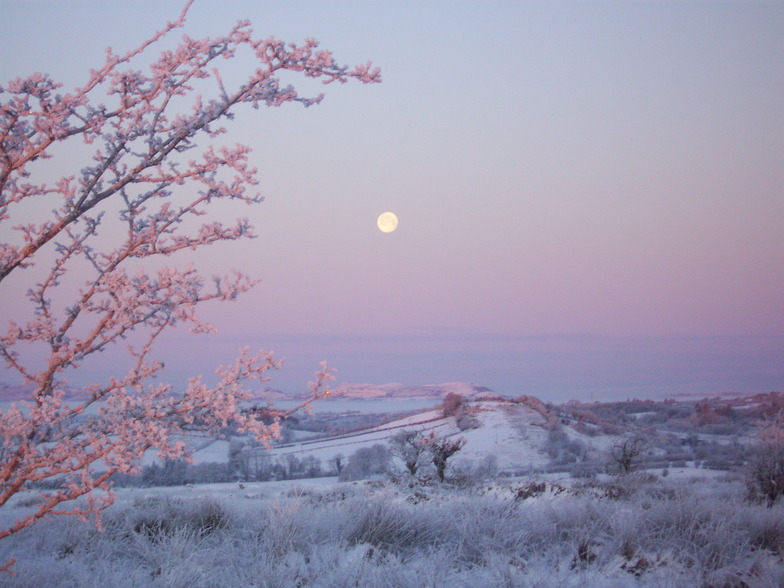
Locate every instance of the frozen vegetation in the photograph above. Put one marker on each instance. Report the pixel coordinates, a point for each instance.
(634, 493)
(634, 531)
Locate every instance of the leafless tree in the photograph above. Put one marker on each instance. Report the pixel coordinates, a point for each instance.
(626, 452)
(338, 461)
(441, 450)
(409, 446)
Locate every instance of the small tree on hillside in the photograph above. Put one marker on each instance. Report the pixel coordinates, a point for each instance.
(441, 450)
(452, 404)
(338, 461)
(145, 195)
(409, 446)
(626, 452)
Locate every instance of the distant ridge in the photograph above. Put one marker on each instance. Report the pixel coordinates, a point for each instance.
(16, 392)
(396, 390)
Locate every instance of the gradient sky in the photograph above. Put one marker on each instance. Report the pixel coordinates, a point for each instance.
(590, 194)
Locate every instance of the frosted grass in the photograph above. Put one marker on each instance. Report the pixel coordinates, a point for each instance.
(660, 533)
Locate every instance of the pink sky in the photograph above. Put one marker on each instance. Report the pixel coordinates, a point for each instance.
(602, 169)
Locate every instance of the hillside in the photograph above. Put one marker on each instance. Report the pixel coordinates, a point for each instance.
(515, 437)
(512, 433)
(523, 436)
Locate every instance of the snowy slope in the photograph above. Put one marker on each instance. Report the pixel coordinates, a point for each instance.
(513, 433)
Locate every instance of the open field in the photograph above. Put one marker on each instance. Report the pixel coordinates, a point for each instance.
(534, 498)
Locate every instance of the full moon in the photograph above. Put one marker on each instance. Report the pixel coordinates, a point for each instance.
(387, 222)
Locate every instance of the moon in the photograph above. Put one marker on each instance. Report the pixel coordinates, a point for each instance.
(387, 222)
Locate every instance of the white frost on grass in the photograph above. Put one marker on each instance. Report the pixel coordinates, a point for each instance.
(524, 532)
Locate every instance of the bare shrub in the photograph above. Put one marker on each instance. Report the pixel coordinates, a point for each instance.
(765, 471)
(626, 452)
(766, 529)
(451, 404)
(441, 450)
(338, 462)
(531, 489)
(158, 519)
(389, 526)
(465, 420)
(563, 450)
(467, 473)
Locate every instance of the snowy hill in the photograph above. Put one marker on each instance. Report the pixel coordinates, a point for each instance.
(519, 436)
(514, 434)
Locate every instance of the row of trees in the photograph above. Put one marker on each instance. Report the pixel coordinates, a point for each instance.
(246, 467)
(251, 462)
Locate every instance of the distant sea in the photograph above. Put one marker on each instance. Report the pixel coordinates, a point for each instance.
(554, 368)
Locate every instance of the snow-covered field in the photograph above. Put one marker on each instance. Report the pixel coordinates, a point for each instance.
(672, 527)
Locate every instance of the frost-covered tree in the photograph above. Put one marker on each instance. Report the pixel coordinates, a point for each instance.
(107, 232)
(338, 462)
(366, 462)
(311, 465)
(292, 465)
(239, 459)
(441, 449)
(409, 446)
